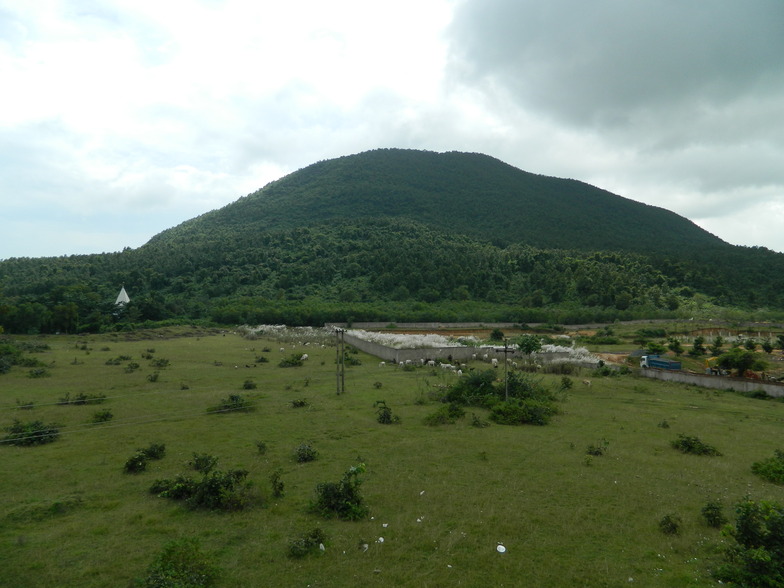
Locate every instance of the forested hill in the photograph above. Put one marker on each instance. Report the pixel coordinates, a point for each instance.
(462, 193)
(398, 236)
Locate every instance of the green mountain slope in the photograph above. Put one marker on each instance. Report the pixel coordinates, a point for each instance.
(402, 235)
(463, 193)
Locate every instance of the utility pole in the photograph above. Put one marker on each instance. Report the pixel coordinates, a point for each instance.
(340, 361)
(506, 351)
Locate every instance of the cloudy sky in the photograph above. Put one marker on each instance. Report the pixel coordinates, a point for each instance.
(121, 118)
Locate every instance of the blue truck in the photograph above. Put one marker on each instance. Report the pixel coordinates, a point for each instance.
(656, 361)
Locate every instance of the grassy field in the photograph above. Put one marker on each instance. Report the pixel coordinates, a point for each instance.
(442, 498)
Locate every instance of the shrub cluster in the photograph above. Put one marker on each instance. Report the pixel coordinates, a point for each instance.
(181, 564)
(216, 490)
(529, 400)
(81, 399)
(31, 433)
(293, 360)
(771, 469)
(138, 461)
(342, 499)
(693, 445)
(384, 413)
(305, 452)
(446, 414)
(307, 544)
(234, 403)
(523, 412)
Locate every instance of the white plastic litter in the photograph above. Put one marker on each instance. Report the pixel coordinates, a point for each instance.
(500, 548)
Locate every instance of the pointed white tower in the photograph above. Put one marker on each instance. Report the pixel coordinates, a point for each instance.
(122, 297)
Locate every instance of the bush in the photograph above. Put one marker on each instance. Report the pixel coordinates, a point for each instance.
(216, 490)
(81, 399)
(203, 462)
(249, 385)
(136, 463)
(181, 565)
(234, 403)
(300, 403)
(713, 514)
(670, 524)
(384, 413)
(523, 412)
(277, 484)
(307, 544)
(599, 449)
(293, 360)
(304, 453)
(757, 557)
(771, 469)
(693, 445)
(446, 414)
(342, 499)
(31, 433)
(262, 447)
(102, 416)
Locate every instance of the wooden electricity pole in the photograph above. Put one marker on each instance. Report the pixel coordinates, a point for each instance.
(340, 361)
(506, 351)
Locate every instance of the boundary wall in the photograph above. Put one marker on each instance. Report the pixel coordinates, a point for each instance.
(717, 382)
(443, 354)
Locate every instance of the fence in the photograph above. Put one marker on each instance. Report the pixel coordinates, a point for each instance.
(717, 382)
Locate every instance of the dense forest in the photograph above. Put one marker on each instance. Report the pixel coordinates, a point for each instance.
(399, 235)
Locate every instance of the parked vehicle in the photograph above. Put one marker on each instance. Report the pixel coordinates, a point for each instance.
(656, 361)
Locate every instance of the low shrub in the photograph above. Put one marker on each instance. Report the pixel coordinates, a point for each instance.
(277, 484)
(135, 464)
(138, 461)
(670, 524)
(31, 433)
(217, 490)
(713, 513)
(523, 412)
(81, 399)
(102, 416)
(261, 446)
(293, 360)
(203, 462)
(304, 453)
(384, 413)
(25, 405)
(446, 414)
(249, 385)
(693, 445)
(599, 449)
(39, 373)
(342, 499)
(233, 403)
(181, 564)
(478, 422)
(299, 403)
(771, 469)
(307, 544)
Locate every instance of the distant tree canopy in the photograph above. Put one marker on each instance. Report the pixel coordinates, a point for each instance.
(394, 234)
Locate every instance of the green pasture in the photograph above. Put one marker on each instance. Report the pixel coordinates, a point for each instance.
(442, 498)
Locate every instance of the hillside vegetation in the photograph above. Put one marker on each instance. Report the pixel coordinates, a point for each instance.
(403, 235)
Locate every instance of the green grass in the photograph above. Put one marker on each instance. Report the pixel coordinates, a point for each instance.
(70, 516)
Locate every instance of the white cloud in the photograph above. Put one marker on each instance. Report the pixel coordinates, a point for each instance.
(123, 116)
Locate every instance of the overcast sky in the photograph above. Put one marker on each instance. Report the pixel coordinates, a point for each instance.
(122, 118)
